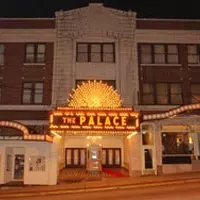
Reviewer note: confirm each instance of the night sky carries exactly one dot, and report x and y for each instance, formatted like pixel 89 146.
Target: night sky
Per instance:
pixel 183 9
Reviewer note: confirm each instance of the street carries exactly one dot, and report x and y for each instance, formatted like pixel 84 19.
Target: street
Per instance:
pixel 172 192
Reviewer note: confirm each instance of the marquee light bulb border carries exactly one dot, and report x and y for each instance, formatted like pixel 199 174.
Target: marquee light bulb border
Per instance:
pixel 94 121
pixel 172 112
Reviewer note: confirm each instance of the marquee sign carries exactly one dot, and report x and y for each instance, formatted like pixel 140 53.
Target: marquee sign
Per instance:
pixel 114 120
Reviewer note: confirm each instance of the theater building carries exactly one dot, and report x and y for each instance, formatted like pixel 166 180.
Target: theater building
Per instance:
pixel 103 78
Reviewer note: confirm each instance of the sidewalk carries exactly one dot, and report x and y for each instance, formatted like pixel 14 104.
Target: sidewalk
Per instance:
pixel 99 185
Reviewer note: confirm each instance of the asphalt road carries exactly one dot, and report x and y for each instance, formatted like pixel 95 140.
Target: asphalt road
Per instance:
pixel 172 192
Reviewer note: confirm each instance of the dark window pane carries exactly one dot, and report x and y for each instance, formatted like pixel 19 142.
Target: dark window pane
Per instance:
pixel 108 53
pixel 32 93
pixel 195 93
pixel 161 93
pixel 148 153
pixel 2 51
pixel 148 97
pixel 82 53
pixel 146 54
pixel 95 52
pixel 193 54
pixel 27 96
pixel 35 53
pixel 176 94
pixel 172 54
pixel 38 96
pixel 159 54
pixel 176 143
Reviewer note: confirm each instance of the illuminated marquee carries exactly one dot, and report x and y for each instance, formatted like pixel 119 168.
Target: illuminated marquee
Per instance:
pixel 71 119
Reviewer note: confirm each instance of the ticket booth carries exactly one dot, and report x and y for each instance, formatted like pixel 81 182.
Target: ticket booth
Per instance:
pixel 94 160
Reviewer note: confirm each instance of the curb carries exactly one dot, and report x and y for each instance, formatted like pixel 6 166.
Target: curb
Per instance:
pixel 62 192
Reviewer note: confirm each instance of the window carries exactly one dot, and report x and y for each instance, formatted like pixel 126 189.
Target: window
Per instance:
pixel 148 93
pixel 176 94
pixel 193 51
pixel 195 93
pixel 159 54
pixel 32 93
pixel 2 54
pixel 172 54
pixel 95 52
pixel 146 54
pixel 162 93
pixel 35 53
pixel 176 148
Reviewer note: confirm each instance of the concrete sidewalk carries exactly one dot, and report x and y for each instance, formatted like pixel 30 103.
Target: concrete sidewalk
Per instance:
pixel 99 185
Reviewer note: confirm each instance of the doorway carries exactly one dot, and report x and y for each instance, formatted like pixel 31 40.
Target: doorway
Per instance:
pixel 111 157
pixel 75 157
pixel 18 167
pixel 148 149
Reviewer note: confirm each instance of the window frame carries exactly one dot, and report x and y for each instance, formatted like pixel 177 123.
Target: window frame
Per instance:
pixel 155 92
pixel 166 53
pixel 32 93
pixel 197 53
pixel 191 94
pixel 35 53
pixel 3 54
pixel 89 52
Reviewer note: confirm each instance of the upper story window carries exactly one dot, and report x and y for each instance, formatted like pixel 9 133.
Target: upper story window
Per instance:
pixel 2 54
pixel 193 53
pixel 35 53
pixel 32 93
pixel 162 93
pixel 195 93
pixel 95 52
pixel 159 54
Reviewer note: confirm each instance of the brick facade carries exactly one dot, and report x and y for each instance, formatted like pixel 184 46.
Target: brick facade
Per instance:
pixel 60 71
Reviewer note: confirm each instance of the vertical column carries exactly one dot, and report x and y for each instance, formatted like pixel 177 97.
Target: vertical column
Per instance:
pixel 135 162
pixel 158 148
pixel 53 164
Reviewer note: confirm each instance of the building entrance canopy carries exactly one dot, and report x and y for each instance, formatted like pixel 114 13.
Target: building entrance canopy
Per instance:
pixel 94 120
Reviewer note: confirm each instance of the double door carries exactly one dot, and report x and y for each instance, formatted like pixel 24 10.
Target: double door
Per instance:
pixel 75 157
pixel 111 157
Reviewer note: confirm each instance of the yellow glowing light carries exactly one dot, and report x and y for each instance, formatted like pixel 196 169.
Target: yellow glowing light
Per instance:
pixel 56 134
pixel 95 94
pixel 190 140
pixel 16 125
pixel 132 134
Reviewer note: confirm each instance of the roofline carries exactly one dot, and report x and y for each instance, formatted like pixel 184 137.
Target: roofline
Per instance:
pixel 137 19
pixel 39 18
pixel 160 19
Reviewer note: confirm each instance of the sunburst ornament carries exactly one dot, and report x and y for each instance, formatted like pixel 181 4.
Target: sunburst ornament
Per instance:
pixel 95 94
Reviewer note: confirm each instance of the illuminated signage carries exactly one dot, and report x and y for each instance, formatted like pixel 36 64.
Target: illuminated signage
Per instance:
pixel 94 119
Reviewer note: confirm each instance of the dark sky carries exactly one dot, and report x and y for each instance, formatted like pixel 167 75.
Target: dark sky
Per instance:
pixel 183 9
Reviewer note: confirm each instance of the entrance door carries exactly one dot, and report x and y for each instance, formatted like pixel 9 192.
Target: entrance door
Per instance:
pixel 75 157
pixel 19 167
pixel 148 158
pixel 111 157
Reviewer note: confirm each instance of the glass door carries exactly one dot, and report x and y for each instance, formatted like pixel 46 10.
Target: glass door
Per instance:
pixel 19 167
pixel 111 157
pixel 148 150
